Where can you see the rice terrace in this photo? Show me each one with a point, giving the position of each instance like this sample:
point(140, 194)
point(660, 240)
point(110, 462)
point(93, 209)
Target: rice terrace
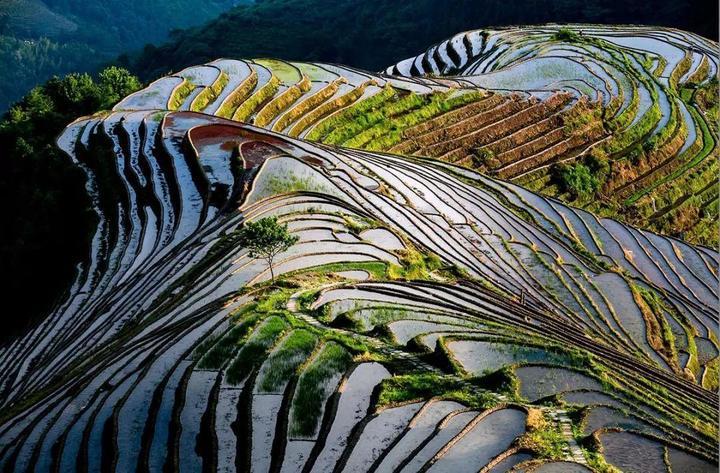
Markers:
point(499, 255)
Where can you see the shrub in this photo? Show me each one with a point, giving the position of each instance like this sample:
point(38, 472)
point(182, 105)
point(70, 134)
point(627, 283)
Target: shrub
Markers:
point(542, 437)
point(576, 179)
point(483, 157)
point(567, 35)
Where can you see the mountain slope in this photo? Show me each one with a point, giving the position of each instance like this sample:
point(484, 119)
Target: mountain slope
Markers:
point(608, 118)
point(146, 341)
point(375, 33)
point(39, 39)
point(428, 318)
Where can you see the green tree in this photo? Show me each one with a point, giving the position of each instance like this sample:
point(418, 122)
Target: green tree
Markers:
point(47, 219)
point(265, 239)
point(116, 83)
point(577, 179)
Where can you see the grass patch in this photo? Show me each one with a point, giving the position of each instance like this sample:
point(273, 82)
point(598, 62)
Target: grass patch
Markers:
point(253, 352)
point(567, 35)
point(284, 361)
point(414, 387)
point(282, 102)
point(179, 94)
point(333, 128)
point(308, 104)
point(710, 378)
point(210, 94)
point(414, 265)
point(318, 275)
point(292, 183)
point(238, 96)
point(221, 351)
point(275, 301)
point(543, 438)
point(313, 388)
point(284, 71)
point(246, 108)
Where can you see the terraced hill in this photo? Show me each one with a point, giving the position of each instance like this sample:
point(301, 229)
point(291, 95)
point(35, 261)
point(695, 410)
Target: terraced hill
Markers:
point(658, 155)
point(635, 108)
point(429, 318)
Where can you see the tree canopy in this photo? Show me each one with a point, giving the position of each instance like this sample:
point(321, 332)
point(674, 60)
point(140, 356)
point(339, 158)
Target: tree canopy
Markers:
point(47, 220)
point(577, 179)
point(374, 34)
point(266, 238)
point(42, 38)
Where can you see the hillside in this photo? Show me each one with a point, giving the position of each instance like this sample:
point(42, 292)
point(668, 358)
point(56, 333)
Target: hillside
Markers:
point(42, 38)
point(374, 33)
point(428, 318)
point(620, 122)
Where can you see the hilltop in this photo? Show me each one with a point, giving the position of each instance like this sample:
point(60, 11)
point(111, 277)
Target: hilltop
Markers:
point(430, 317)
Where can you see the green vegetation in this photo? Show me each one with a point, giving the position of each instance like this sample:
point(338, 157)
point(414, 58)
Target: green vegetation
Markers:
point(308, 104)
point(576, 179)
point(378, 123)
point(420, 386)
point(238, 96)
point(330, 362)
point(595, 459)
point(328, 108)
point(376, 269)
point(543, 438)
point(286, 358)
point(349, 132)
point(286, 72)
point(566, 35)
point(414, 265)
point(281, 102)
point(385, 135)
point(223, 349)
point(249, 106)
point(390, 30)
point(483, 158)
point(180, 94)
point(292, 183)
point(253, 351)
point(43, 38)
point(47, 221)
point(26, 63)
point(266, 238)
point(708, 101)
point(210, 94)
point(349, 115)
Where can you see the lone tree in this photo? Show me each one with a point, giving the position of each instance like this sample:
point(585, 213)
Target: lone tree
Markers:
point(266, 238)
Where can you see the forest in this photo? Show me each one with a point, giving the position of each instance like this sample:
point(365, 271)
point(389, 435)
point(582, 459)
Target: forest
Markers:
point(376, 33)
point(39, 39)
point(47, 220)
